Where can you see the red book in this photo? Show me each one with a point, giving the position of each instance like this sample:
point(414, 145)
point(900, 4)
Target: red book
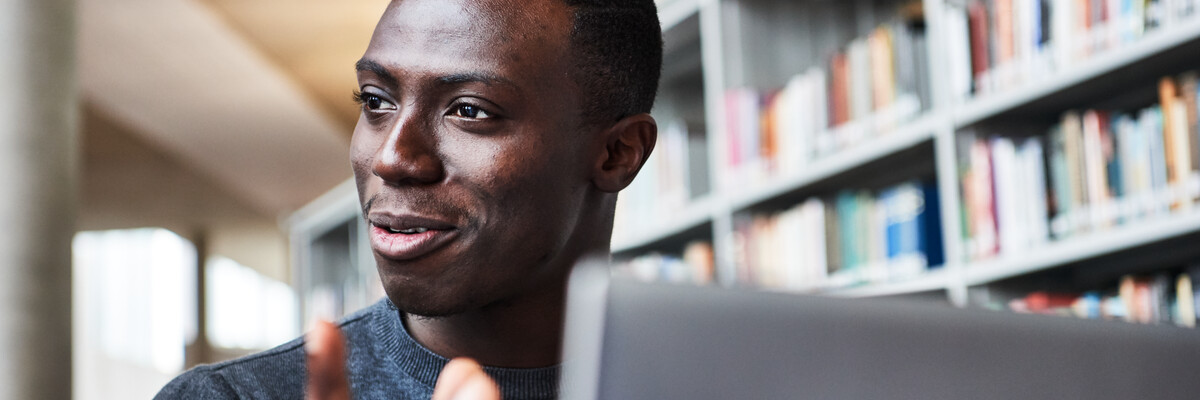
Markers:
point(978, 24)
point(1045, 301)
point(839, 102)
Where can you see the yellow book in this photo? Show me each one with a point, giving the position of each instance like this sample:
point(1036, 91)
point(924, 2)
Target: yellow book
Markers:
point(1185, 297)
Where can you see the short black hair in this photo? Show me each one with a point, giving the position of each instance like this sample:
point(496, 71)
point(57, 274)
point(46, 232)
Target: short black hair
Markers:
point(617, 48)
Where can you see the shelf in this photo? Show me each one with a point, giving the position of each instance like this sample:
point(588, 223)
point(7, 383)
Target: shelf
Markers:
point(1103, 73)
point(930, 281)
point(1083, 247)
point(910, 135)
point(696, 213)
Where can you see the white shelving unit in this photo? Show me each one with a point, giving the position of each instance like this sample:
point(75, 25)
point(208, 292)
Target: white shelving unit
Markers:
point(1108, 73)
point(696, 213)
point(1083, 247)
point(920, 131)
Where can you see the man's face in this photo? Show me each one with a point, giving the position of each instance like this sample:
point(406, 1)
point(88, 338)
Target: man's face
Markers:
point(469, 156)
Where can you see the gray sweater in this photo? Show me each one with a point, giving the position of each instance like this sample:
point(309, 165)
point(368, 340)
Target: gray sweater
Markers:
point(384, 362)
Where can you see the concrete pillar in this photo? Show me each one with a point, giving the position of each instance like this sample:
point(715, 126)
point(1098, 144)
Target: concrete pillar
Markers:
point(38, 114)
point(200, 351)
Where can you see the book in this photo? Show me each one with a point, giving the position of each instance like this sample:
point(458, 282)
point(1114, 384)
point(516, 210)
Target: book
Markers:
point(856, 237)
point(664, 186)
point(1188, 87)
point(868, 87)
point(1092, 171)
point(983, 235)
point(1163, 298)
point(694, 267)
point(977, 17)
point(1000, 44)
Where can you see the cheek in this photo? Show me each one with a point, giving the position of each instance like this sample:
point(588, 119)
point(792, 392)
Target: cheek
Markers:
point(363, 146)
point(522, 184)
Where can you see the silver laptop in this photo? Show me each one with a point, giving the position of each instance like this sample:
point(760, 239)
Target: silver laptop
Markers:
point(630, 340)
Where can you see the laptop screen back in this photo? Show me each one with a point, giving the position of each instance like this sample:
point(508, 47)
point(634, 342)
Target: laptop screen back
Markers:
point(629, 340)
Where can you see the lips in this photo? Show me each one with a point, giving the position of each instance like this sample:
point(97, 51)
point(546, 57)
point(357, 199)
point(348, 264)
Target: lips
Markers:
point(406, 237)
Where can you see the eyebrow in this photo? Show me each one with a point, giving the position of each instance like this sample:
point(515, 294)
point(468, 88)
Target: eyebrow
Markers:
point(467, 77)
point(365, 65)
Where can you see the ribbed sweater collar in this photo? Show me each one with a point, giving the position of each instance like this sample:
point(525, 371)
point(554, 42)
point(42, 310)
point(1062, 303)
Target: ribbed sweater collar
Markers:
point(424, 365)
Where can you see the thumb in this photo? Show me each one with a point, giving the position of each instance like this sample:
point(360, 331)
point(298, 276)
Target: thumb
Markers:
point(326, 351)
point(464, 379)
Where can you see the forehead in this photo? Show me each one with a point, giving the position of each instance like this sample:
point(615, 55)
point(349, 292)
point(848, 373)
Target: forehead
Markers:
point(513, 38)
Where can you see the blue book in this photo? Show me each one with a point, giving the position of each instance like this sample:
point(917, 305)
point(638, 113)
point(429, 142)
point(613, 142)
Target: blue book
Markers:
point(931, 226)
point(914, 231)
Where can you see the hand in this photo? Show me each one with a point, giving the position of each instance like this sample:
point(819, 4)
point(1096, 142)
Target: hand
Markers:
point(326, 350)
point(464, 379)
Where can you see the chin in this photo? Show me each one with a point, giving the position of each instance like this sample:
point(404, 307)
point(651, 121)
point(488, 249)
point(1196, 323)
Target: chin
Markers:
point(419, 300)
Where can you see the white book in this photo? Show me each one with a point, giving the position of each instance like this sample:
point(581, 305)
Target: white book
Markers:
point(1136, 19)
point(1183, 153)
point(750, 131)
point(858, 56)
point(819, 86)
point(1115, 26)
point(1006, 195)
point(787, 117)
point(1062, 32)
point(1024, 23)
point(958, 52)
point(813, 213)
point(877, 247)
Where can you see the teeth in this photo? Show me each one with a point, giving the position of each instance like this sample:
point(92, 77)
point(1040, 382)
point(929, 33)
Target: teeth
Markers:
point(407, 231)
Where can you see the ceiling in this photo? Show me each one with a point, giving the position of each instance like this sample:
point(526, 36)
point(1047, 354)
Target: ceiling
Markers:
point(251, 95)
point(316, 42)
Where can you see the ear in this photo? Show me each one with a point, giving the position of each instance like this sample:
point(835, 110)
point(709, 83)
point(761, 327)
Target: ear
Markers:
point(627, 145)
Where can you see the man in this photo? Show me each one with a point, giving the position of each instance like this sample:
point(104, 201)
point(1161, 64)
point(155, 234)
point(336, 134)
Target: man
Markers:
point(493, 140)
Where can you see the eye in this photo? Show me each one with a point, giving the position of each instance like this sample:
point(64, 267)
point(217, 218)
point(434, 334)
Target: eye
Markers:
point(372, 102)
point(471, 111)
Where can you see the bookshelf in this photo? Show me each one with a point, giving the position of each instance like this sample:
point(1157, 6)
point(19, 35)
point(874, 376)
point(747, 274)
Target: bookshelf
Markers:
point(1156, 54)
point(332, 266)
point(759, 46)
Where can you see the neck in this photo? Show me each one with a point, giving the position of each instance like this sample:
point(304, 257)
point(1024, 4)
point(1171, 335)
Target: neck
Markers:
point(524, 333)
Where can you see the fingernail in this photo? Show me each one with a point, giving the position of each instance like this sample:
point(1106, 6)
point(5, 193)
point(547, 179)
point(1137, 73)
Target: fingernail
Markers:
point(475, 388)
point(313, 341)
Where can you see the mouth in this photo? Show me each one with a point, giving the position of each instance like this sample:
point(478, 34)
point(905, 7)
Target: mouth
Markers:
point(408, 237)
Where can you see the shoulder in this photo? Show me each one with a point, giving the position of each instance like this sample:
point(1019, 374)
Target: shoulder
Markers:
point(275, 373)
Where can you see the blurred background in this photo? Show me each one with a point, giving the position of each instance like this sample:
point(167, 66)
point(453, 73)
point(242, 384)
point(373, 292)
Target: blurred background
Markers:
point(206, 125)
point(202, 127)
point(180, 168)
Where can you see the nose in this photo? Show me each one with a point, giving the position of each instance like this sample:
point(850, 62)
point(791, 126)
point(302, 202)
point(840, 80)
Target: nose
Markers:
point(409, 155)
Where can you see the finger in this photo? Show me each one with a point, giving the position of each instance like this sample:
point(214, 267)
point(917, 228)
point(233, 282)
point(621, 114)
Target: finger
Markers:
point(326, 355)
point(464, 377)
point(478, 386)
point(453, 375)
